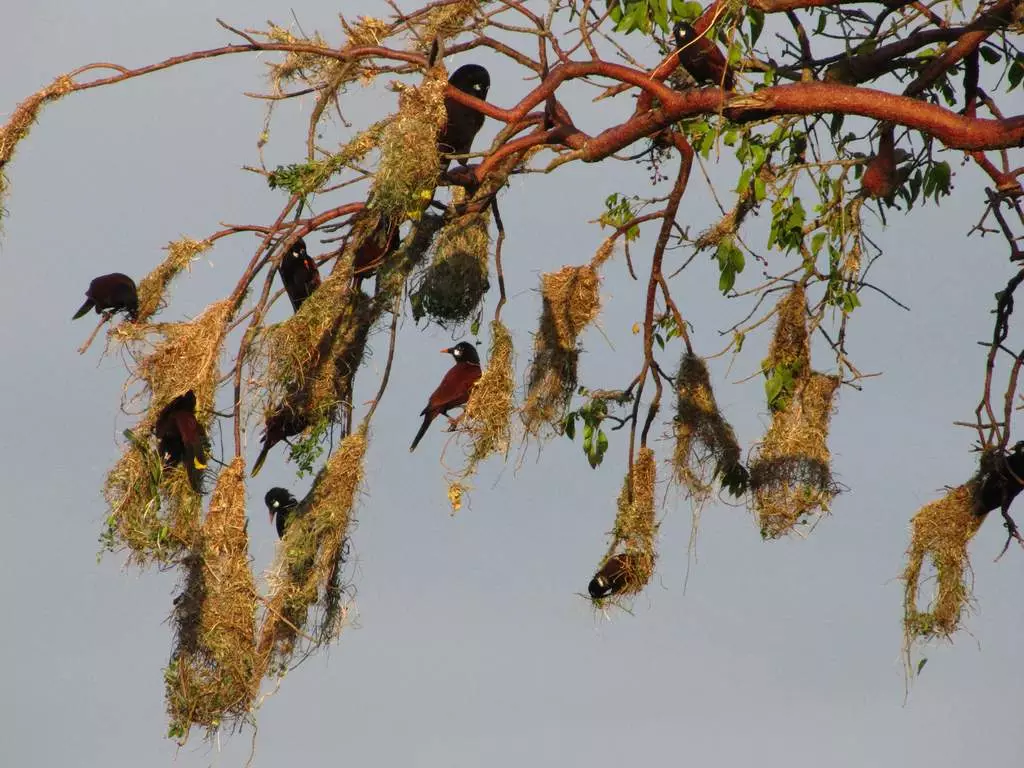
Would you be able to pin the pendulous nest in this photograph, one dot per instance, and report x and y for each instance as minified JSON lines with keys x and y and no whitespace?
{"x":488,"y":418}
{"x":940,"y":532}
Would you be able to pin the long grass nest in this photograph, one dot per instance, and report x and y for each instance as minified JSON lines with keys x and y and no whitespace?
{"x":488,"y":416}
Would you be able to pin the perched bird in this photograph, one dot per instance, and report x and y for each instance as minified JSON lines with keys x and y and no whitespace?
{"x":283,"y":423}
{"x":996,"y":481}
{"x":181,"y":438}
{"x":464,"y":122}
{"x":111,"y":293}
{"x":879,"y":179}
{"x":372,"y":252}
{"x":299,"y":274}
{"x":702,"y":58}
{"x":453,"y":391}
{"x":613,"y":577}
{"x":282,"y":504}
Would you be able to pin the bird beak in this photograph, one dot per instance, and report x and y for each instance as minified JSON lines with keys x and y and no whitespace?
{"x":271,"y":515}
{"x":446,"y":351}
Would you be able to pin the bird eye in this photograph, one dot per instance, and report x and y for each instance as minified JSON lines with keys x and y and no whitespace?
{"x":277,"y":504}
{"x":477,"y":86}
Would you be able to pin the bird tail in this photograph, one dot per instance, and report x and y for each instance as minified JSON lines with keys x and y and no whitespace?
{"x":83,"y":309}
{"x":427,"y":418}
{"x":194,"y":466}
{"x":260,"y":459}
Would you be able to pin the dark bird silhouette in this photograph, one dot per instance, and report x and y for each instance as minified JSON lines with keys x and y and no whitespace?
{"x":879,"y":179}
{"x":996,"y":481}
{"x":299,"y":274}
{"x":463,"y":122}
{"x":453,"y":391}
{"x":372,"y":252}
{"x":283,"y":505}
{"x":111,"y":293}
{"x":181,"y":439}
{"x":283,"y":423}
{"x":702,"y":58}
{"x":612,"y":578}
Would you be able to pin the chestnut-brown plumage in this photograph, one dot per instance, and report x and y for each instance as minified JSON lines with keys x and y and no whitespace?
{"x":702,"y":58}
{"x":283,"y":423}
{"x":453,"y":391}
{"x":612,"y":578}
{"x":879,"y":179}
{"x":181,"y":438}
{"x":456,"y":137}
{"x":372,"y":252}
{"x":111,"y":293}
{"x":1000,"y":480}
{"x":299,"y":274}
{"x":282,"y":506}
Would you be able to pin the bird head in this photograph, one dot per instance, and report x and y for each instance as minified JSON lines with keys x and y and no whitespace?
{"x":297,"y":250}
{"x":472,"y":79}
{"x":463,"y":352}
{"x":684,"y":34}
{"x":278,"y":499}
{"x":598,"y":587}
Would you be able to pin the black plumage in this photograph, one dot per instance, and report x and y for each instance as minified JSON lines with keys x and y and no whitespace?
{"x":181,"y":438}
{"x":283,"y":423}
{"x":999,"y":480}
{"x":613,"y":577}
{"x":374,"y":250}
{"x":282,"y":506}
{"x":702,"y":58}
{"x":299,"y":274}
{"x":463,"y":123}
{"x":115,"y":292}
{"x":454,"y":389}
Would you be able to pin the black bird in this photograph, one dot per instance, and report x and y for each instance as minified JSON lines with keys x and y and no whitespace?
{"x":181,"y":438}
{"x":702,"y":58}
{"x":456,"y":137}
{"x":454,"y":388}
{"x":613,"y":576}
{"x":282,"y":504}
{"x":299,"y":274}
{"x":111,"y":293}
{"x":996,"y":481}
{"x":283,"y":423}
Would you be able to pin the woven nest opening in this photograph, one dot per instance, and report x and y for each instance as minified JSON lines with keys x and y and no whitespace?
{"x":706,"y":447}
{"x":791,"y":476}
{"x":488,"y":415}
{"x":453,"y":286}
{"x":940,"y":532}
{"x":307,"y":571}
{"x":632,"y":551}
{"x":571,"y":301}
{"x":212,"y":677}
{"x":409,"y":163}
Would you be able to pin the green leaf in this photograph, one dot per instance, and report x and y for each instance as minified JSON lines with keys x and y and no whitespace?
{"x":920,"y":665}
{"x":602,"y":442}
{"x":569,"y":425}
{"x":1016,"y":72}
{"x":760,"y":189}
{"x":817,"y":241}
{"x":756,"y":20}
{"x":989,"y":54}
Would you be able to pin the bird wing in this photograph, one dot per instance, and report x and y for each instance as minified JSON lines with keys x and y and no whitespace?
{"x":454,"y":388}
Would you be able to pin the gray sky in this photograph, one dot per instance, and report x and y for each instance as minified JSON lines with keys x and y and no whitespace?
{"x":472,"y":646}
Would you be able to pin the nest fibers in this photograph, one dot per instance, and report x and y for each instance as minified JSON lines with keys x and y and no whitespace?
{"x":791,"y":476}
{"x":703,"y":437}
{"x":488,"y":417}
{"x":310,"y":556}
{"x":940,"y":532}
{"x":635,"y":526}
{"x":571,"y":301}
{"x":153,"y":287}
{"x":455,"y":283}
{"x":212,"y":675}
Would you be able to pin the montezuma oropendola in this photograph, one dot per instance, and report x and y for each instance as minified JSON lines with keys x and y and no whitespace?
{"x":280,"y":425}
{"x":372,"y":252}
{"x":612,"y":578}
{"x":111,"y":293}
{"x":456,"y":137}
{"x":453,"y":391}
{"x":281,"y":503}
{"x":997,"y":482}
{"x":181,"y":438}
{"x":702,"y":58}
{"x":299,"y":274}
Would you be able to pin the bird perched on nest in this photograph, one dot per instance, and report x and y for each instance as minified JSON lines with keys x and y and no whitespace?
{"x":454,"y":389}
{"x":613,"y":577}
{"x":181,"y":438}
{"x":372,"y":252}
{"x":299,"y":274}
{"x":456,"y":137}
{"x":111,"y":293}
{"x":702,"y":58}
{"x":283,"y":505}
{"x":999,"y":480}
{"x":283,"y":423}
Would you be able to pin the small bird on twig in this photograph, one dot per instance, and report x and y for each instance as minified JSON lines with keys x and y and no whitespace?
{"x":463,"y":124}
{"x":454,"y":389}
{"x":112,"y":293}
{"x":702,"y":58}
{"x":299,"y":274}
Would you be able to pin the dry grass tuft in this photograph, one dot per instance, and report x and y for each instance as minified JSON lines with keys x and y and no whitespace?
{"x":409,"y":163}
{"x":791,"y":476}
{"x":455,"y":283}
{"x":635,"y":527}
{"x":488,"y":417}
{"x":940,"y":532}
{"x":152,"y":289}
{"x":703,"y":437}
{"x":211,"y":678}
{"x":571,"y":301}
{"x":447,"y":21}
{"x":310,"y":556}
